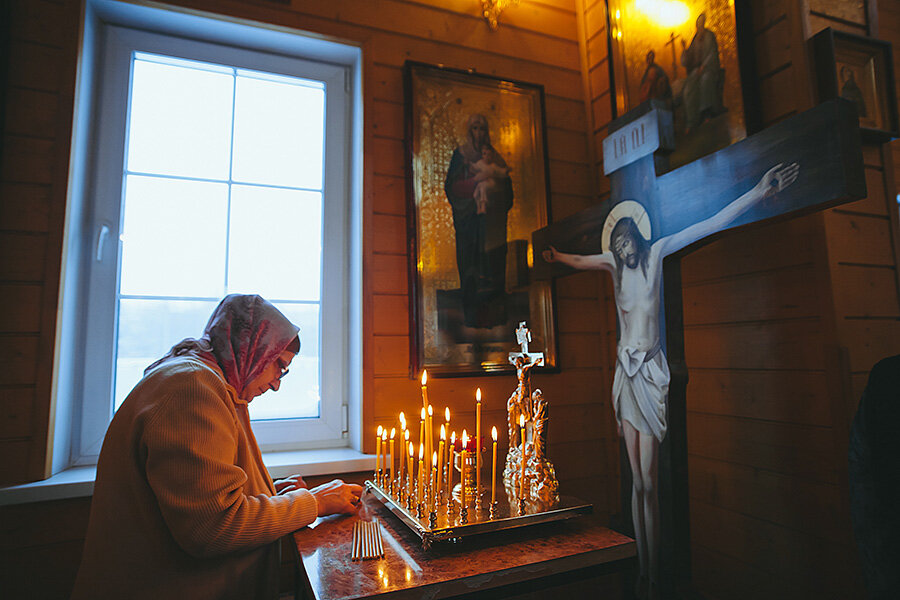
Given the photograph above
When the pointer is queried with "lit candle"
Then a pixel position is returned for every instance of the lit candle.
(447, 421)
(384, 449)
(393, 432)
(462, 460)
(494, 467)
(429, 428)
(477, 441)
(421, 489)
(378, 450)
(522, 480)
(441, 457)
(433, 480)
(424, 388)
(409, 464)
(405, 444)
(422, 426)
(450, 466)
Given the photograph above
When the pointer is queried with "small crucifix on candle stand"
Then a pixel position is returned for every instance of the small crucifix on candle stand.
(542, 492)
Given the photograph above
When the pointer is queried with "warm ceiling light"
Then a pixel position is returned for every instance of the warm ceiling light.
(491, 10)
(665, 13)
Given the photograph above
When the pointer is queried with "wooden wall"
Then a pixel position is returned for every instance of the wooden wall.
(782, 324)
(35, 142)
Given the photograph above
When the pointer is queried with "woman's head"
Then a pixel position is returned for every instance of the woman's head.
(477, 128)
(249, 336)
(250, 340)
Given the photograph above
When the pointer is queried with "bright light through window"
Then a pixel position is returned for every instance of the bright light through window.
(223, 193)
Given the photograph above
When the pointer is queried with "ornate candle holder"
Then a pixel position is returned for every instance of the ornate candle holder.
(540, 485)
(469, 479)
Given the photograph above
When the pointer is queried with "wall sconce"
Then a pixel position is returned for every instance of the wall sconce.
(493, 8)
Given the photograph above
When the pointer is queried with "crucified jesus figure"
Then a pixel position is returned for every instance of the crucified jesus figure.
(641, 383)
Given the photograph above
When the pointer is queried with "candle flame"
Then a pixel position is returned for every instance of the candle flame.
(465, 439)
(421, 451)
(379, 431)
(521, 420)
(430, 411)
(443, 433)
(393, 431)
(434, 459)
(478, 395)
(406, 434)
(402, 417)
(447, 413)
(494, 433)
(384, 435)
(424, 377)
(412, 451)
(423, 414)
(453, 438)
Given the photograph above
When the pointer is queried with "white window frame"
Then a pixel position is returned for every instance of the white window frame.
(86, 334)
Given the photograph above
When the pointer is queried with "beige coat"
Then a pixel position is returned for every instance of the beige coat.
(183, 506)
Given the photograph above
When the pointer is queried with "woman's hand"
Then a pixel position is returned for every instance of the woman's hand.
(289, 484)
(337, 497)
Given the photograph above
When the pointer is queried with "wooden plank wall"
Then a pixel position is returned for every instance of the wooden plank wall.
(538, 42)
(781, 325)
(36, 130)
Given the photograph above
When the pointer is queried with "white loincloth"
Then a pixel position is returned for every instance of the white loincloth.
(640, 389)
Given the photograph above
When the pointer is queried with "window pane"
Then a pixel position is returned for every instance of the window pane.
(148, 329)
(278, 133)
(298, 396)
(275, 248)
(180, 121)
(173, 237)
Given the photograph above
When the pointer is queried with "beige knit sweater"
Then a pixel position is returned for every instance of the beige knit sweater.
(183, 506)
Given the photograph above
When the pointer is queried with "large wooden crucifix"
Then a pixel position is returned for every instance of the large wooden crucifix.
(808, 162)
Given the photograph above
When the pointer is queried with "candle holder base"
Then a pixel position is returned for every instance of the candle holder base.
(521, 506)
(432, 519)
(494, 506)
(464, 515)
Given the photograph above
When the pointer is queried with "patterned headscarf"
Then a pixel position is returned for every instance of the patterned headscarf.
(244, 335)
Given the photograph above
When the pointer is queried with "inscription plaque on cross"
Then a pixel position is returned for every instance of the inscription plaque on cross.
(808, 162)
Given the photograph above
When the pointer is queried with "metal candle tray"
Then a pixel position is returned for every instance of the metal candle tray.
(448, 526)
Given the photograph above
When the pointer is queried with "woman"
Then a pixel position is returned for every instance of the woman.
(183, 506)
(480, 236)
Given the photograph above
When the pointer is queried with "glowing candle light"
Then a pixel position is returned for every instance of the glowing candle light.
(409, 464)
(494, 467)
(429, 428)
(477, 441)
(393, 432)
(447, 424)
(422, 426)
(522, 480)
(421, 489)
(424, 388)
(433, 480)
(378, 450)
(450, 465)
(462, 458)
(441, 458)
(405, 444)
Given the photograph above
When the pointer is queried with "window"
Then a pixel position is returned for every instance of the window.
(210, 169)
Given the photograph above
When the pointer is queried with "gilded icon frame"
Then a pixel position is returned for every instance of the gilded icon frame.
(711, 109)
(469, 242)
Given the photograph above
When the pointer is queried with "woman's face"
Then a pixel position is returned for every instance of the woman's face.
(478, 132)
(270, 378)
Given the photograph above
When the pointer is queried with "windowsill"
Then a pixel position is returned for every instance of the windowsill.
(78, 482)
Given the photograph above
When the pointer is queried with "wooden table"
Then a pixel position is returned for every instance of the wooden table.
(540, 552)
